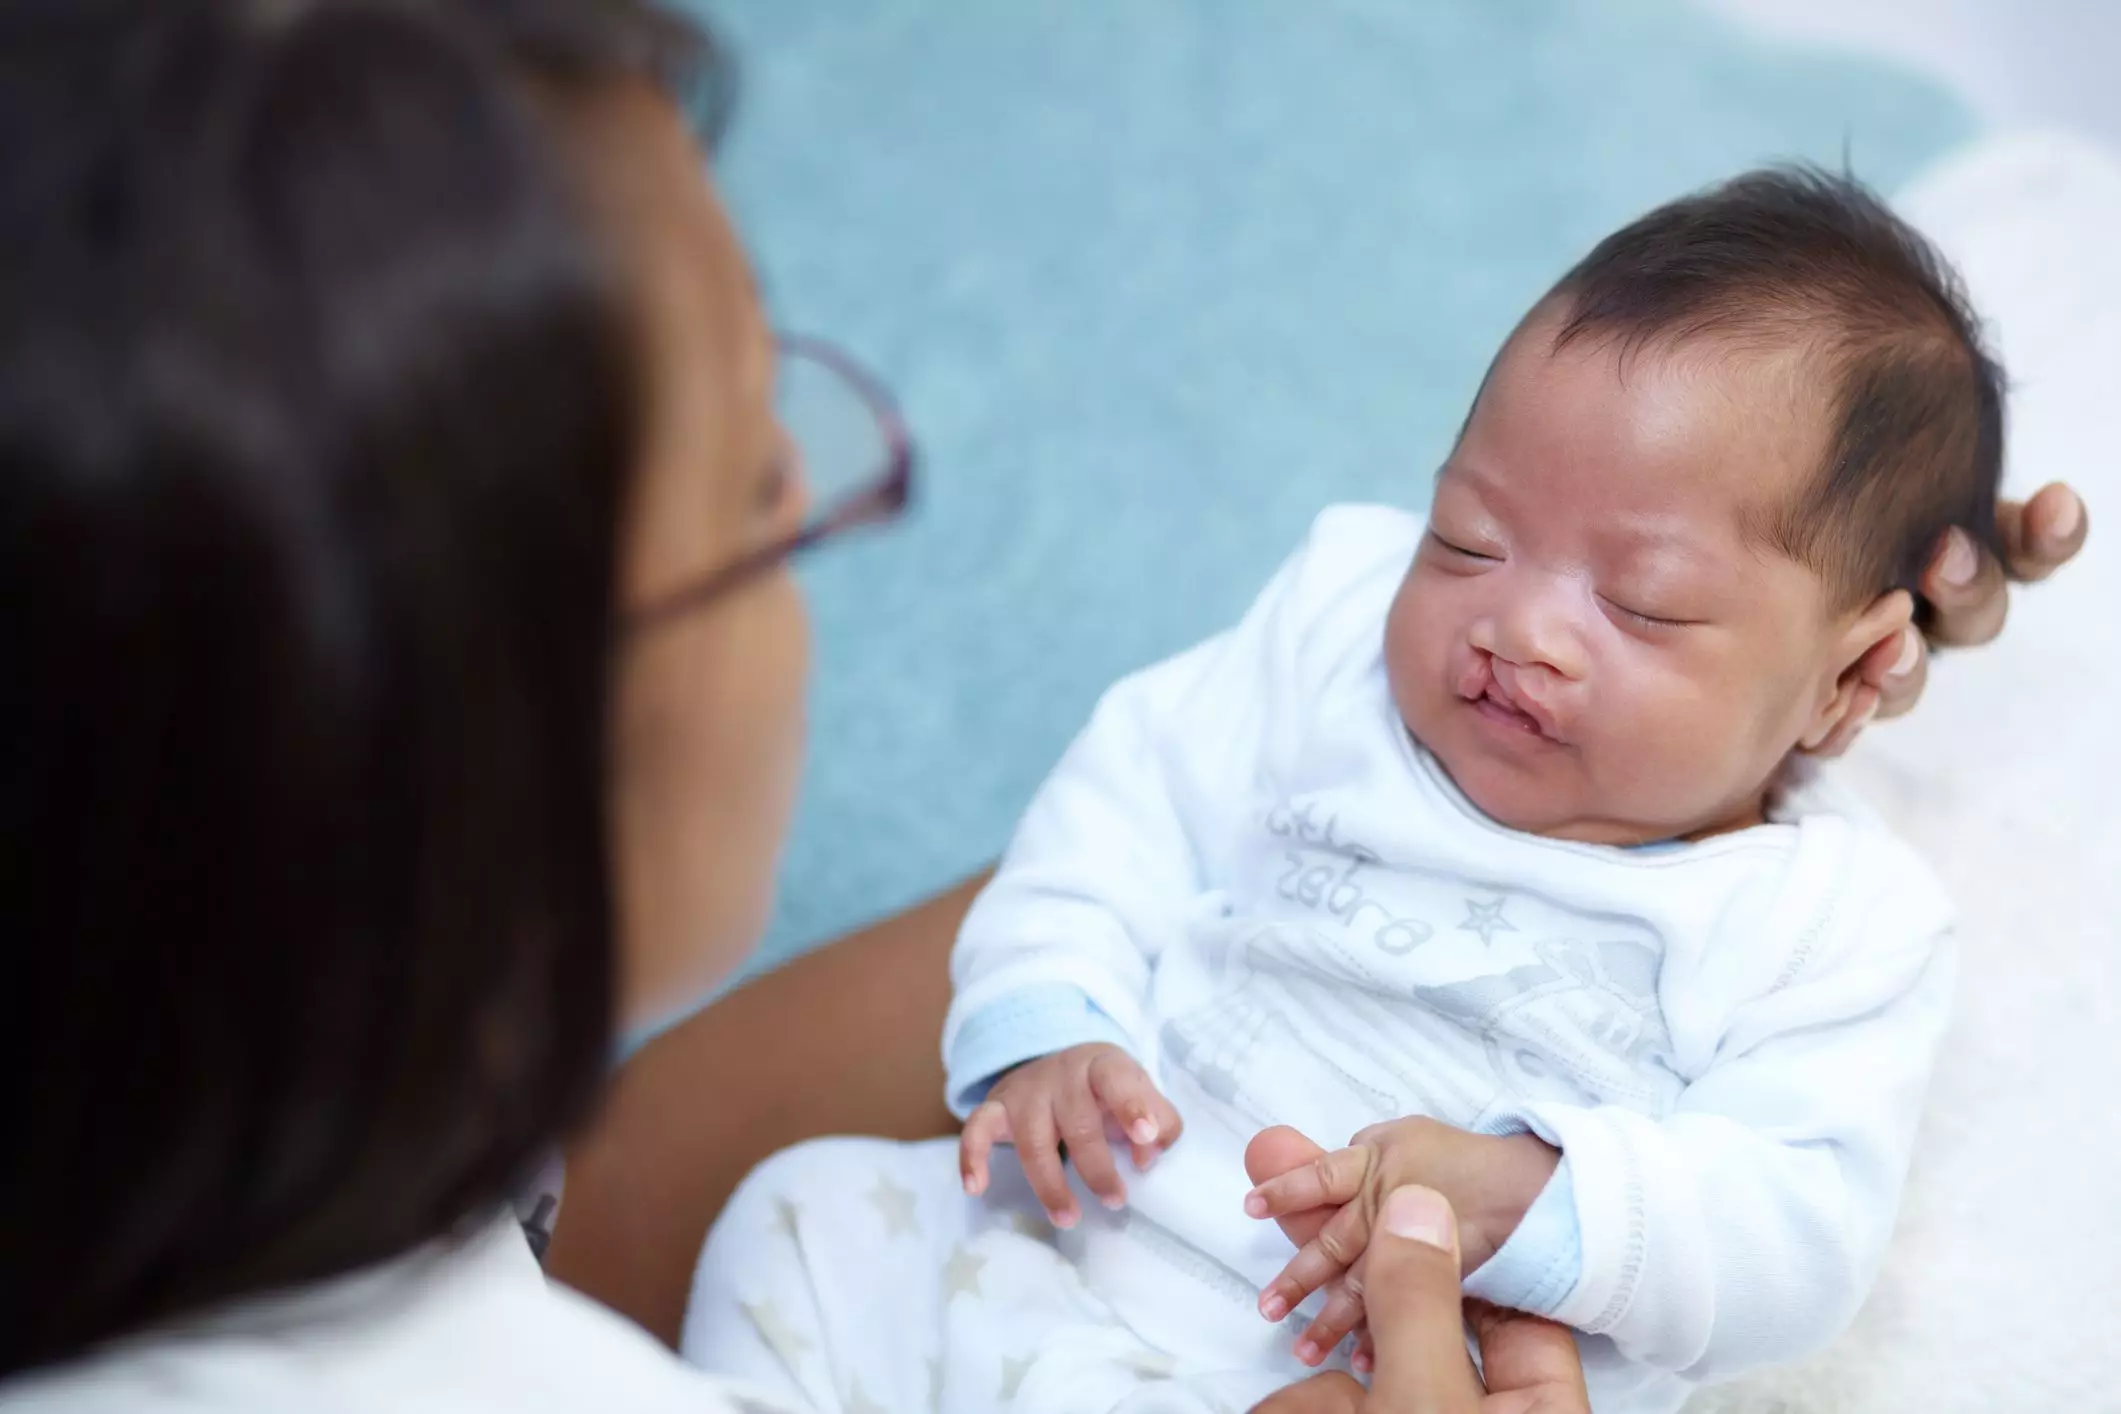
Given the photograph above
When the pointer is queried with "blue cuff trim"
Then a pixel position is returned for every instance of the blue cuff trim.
(1538, 1268)
(1024, 1025)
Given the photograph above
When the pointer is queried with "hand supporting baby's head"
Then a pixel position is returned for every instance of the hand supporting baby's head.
(1701, 481)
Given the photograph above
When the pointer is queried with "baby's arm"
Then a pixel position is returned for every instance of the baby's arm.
(1746, 1227)
(1742, 1229)
(1111, 861)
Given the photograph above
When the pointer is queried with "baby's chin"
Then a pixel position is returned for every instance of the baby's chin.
(1546, 797)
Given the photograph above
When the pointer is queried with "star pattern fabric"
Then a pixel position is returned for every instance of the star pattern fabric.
(896, 1204)
(781, 1337)
(1486, 920)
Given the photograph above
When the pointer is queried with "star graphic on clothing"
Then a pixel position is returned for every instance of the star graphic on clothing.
(961, 1273)
(783, 1339)
(1013, 1372)
(1151, 1364)
(935, 1386)
(1486, 919)
(785, 1217)
(859, 1402)
(896, 1204)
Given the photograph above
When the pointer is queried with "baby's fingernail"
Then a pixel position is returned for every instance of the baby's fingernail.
(1362, 1362)
(2067, 519)
(1142, 1131)
(1255, 1205)
(1420, 1215)
(1910, 653)
(1308, 1352)
(1272, 1306)
(1960, 559)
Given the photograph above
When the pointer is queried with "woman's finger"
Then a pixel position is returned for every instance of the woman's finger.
(1327, 1180)
(1038, 1150)
(1081, 1121)
(1529, 1356)
(1900, 681)
(985, 1127)
(2042, 534)
(1411, 1291)
(1967, 587)
(1325, 1258)
(1119, 1084)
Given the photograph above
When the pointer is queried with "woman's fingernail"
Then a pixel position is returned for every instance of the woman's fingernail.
(1910, 653)
(1062, 1217)
(1114, 1201)
(1420, 1215)
(1961, 560)
(2067, 519)
(1142, 1131)
(1255, 1206)
(1272, 1306)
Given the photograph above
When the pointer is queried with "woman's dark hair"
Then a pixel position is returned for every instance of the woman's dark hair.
(316, 416)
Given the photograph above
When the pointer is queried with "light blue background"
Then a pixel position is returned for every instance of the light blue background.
(1156, 279)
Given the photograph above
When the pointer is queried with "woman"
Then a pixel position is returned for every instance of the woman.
(402, 696)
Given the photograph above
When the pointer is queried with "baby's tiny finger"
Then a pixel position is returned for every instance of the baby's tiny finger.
(1342, 1312)
(1365, 1357)
(1038, 1150)
(1311, 1268)
(1123, 1088)
(1082, 1129)
(1328, 1179)
(984, 1127)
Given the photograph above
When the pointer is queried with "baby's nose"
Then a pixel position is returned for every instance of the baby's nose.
(1537, 635)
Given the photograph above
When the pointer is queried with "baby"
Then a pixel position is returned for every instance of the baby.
(1497, 821)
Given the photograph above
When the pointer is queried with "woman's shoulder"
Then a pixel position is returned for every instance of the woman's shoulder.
(472, 1329)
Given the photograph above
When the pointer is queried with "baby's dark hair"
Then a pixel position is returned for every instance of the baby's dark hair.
(1915, 439)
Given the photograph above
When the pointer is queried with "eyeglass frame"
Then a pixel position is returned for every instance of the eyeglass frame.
(877, 501)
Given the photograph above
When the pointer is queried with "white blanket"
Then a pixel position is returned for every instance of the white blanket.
(2007, 1268)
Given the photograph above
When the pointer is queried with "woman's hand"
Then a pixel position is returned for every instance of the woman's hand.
(1489, 1180)
(1419, 1329)
(1970, 590)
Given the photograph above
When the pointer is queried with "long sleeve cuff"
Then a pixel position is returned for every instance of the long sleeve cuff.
(1023, 1025)
(1538, 1268)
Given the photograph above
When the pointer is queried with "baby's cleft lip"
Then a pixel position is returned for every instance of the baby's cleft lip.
(1484, 679)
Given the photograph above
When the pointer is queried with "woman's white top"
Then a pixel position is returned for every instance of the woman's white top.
(473, 1329)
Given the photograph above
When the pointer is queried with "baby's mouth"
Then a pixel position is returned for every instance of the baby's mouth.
(1488, 695)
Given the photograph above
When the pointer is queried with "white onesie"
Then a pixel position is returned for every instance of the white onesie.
(1247, 873)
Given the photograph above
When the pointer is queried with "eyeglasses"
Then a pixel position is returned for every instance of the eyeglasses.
(854, 457)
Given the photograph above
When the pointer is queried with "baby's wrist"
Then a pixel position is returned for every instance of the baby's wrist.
(1517, 1171)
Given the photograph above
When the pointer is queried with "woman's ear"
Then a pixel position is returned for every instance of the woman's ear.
(1842, 694)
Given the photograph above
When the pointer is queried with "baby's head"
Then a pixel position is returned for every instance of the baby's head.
(1701, 480)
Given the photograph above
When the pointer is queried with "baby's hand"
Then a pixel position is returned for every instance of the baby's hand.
(1064, 1099)
(1490, 1181)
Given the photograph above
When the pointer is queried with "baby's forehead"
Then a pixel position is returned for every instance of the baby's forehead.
(1740, 421)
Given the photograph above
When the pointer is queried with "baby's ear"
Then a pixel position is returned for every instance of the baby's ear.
(1845, 693)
